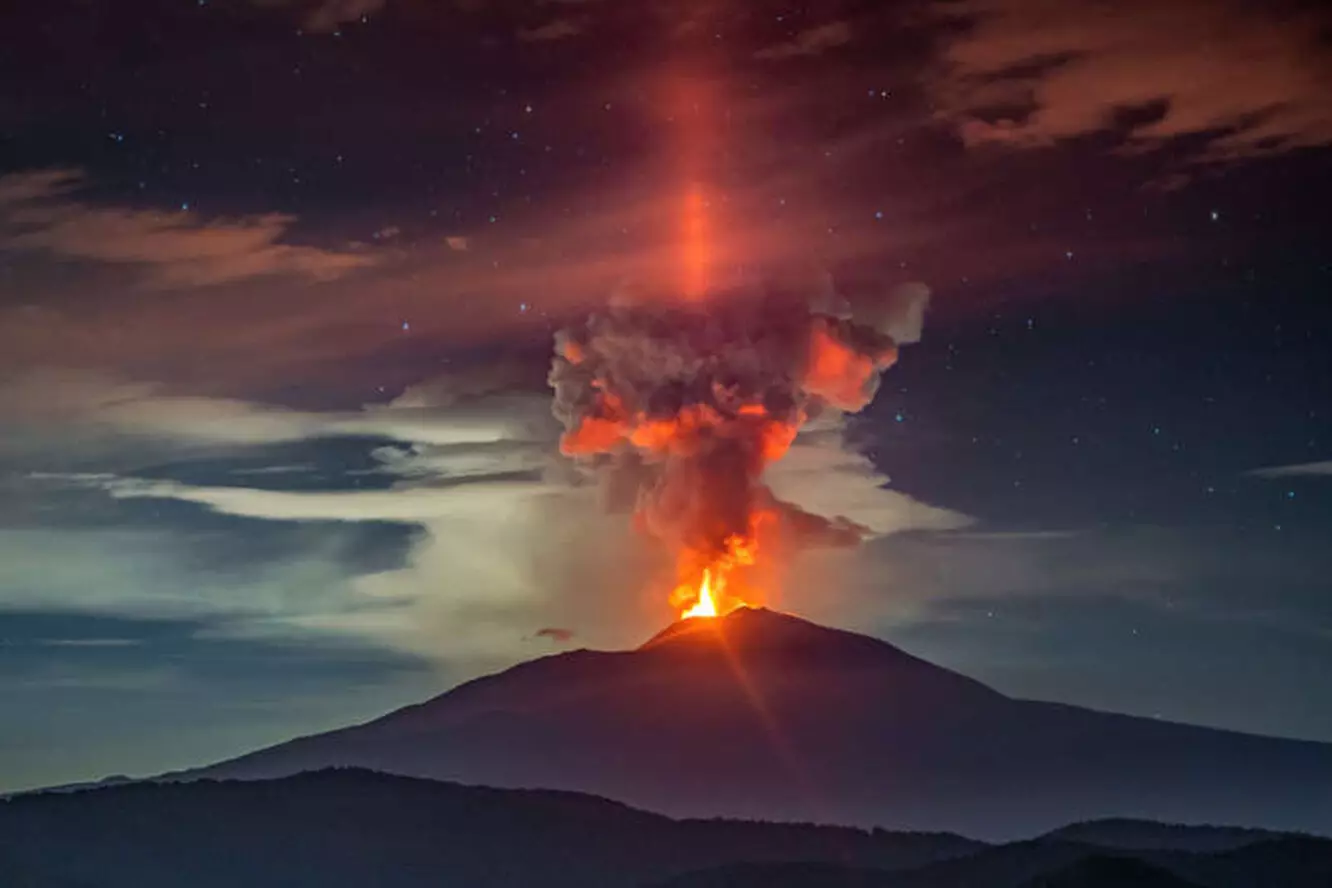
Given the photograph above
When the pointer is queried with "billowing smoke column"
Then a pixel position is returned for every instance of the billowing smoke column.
(681, 406)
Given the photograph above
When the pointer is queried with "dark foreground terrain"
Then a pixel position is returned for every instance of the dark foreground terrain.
(357, 828)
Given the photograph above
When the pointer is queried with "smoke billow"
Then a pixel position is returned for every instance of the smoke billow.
(679, 407)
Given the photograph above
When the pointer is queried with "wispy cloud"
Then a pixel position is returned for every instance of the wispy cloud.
(40, 212)
(1296, 470)
(809, 42)
(88, 642)
(44, 408)
(821, 475)
(556, 29)
(330, 14)
(507, 534)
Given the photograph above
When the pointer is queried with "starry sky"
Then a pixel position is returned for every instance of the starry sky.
(278, 281)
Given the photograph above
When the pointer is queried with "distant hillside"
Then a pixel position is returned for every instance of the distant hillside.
(1110, 872)
(358, 829)
(1088, 872)
(1284, 863)
(1146, 834)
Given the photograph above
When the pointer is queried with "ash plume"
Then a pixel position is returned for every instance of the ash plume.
(680, 406)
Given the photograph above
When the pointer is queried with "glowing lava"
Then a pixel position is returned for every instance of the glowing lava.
(705, 606)
(719, 586)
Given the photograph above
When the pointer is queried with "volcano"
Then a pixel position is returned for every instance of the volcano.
(762, 715)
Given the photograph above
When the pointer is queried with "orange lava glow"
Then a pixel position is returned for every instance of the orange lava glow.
(718, 587)
(706, 605)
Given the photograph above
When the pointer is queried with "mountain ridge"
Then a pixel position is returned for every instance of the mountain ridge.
(345, 828)
(765, 715)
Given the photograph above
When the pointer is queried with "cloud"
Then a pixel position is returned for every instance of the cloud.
(1016, 535)
(502, 499)
(148, 573)
(1247, 80)
(88, 642)
(38, 213)
(556, 634)
(1297, 470)
(556, 29)
(330, 14)
(497, 551)
(505, 536)
(45, 408)
(809, 42)
(822, 475)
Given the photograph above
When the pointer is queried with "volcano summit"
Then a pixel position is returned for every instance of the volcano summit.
(764, 715)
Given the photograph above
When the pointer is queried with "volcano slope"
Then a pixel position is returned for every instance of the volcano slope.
(761, 715)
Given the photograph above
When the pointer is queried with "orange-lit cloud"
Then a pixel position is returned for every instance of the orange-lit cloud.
(39, 213)
(1248, 80)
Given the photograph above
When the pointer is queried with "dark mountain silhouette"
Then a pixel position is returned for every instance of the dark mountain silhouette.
(1103, 871)
(762, 715)
(357, 828)
(1144, 835)
(354, 828)
(1094, 871)
(784, 875)
(1287, 862)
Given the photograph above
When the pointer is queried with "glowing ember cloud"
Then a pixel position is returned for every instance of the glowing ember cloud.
(680, 406)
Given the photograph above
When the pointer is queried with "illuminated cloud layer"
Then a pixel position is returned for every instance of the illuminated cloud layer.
(39, 212)
(506, 537)
(1241, 81)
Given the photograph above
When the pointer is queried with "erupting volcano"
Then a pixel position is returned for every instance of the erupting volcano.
(679, 405)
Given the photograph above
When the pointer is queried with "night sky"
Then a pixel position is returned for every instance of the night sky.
(278, 283)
